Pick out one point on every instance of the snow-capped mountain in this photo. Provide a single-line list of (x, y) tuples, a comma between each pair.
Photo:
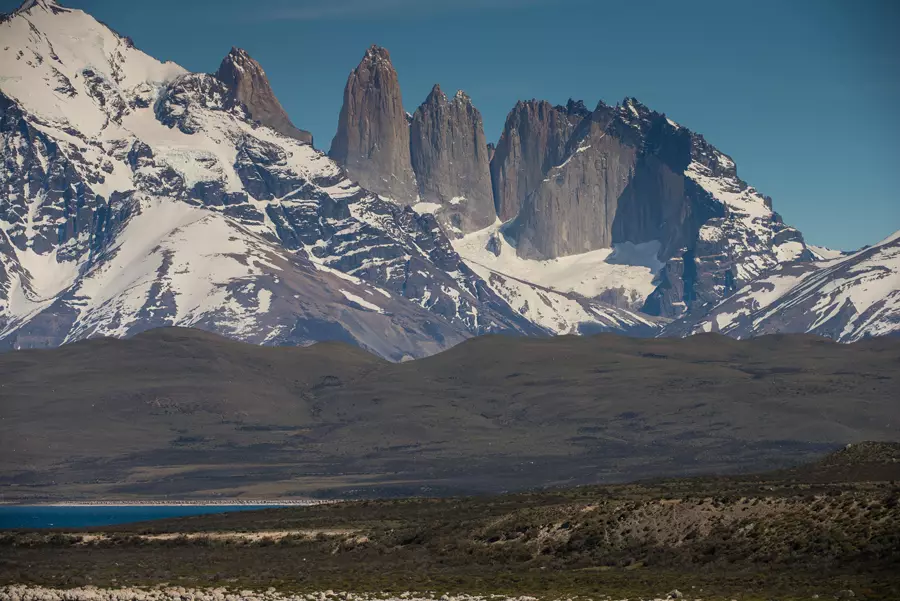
[(629, 175), (141, 195), (617, 215), (138, 195), (847, 298)]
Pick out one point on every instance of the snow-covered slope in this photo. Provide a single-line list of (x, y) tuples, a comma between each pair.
[(597, 291), (846, 298), (821, 253), (137, 195), (622, 275), (173, 263), (128, 179)]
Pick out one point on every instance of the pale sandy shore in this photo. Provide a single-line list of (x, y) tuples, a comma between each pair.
[(87, 537)]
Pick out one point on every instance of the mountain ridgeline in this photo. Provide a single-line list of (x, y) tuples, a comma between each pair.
[(140, 195), (566, 181)]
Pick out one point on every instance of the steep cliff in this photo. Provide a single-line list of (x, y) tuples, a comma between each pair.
[(372, 140), (450, 158), (534, 139), (631, 175), (249, 86)]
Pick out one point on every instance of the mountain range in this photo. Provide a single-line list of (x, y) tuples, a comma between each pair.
[(138, 195)]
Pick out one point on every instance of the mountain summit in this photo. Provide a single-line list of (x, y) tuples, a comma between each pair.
[(372, 140), (139, 195), (450, 159), (248, 85), (47, 5)]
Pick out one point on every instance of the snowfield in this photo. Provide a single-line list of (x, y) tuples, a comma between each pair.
[(627, 267), (599, 290)]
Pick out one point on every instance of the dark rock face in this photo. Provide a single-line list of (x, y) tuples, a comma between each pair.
[(249, 86), (46, 203), (179, 101), (263, 170), (372, 141), (573, 207), (629, 174), (847, 299), (533, 140), (450, 158)]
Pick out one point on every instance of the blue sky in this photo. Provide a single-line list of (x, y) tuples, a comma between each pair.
[(804, 94)]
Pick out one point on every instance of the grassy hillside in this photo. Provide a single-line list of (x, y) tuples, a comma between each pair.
[(183, 413)]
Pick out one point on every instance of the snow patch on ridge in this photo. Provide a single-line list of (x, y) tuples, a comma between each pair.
[(358, 300), (64, 48), (629, 267), (847, 299)]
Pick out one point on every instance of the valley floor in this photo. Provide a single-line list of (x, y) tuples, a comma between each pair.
[(827, 530)]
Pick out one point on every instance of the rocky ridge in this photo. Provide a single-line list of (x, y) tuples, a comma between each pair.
[(450, 158), (372, 139), (249, 86), (141, 195), (846, 299)]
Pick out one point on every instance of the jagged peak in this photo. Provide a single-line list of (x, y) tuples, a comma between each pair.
[(238, 54), (51, 6), (462, 97), (237, 58), (248, 85), (534, 103), (632, 107), (377, 54), (631, 102), (574, 107), (436, 96)]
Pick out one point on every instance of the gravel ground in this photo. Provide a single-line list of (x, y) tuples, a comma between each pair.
[(89, 593)]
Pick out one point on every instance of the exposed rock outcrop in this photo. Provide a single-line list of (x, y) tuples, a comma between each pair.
[(572, 208), (99, 229), (631, 175), (249, 86), (533, 140), (848, 299), (450, 158), (372, 141)]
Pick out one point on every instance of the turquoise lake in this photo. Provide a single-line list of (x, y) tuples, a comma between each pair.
[(37, 516)]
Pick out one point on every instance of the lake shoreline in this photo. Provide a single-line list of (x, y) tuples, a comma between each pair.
[(77, 515), (183, 503)]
